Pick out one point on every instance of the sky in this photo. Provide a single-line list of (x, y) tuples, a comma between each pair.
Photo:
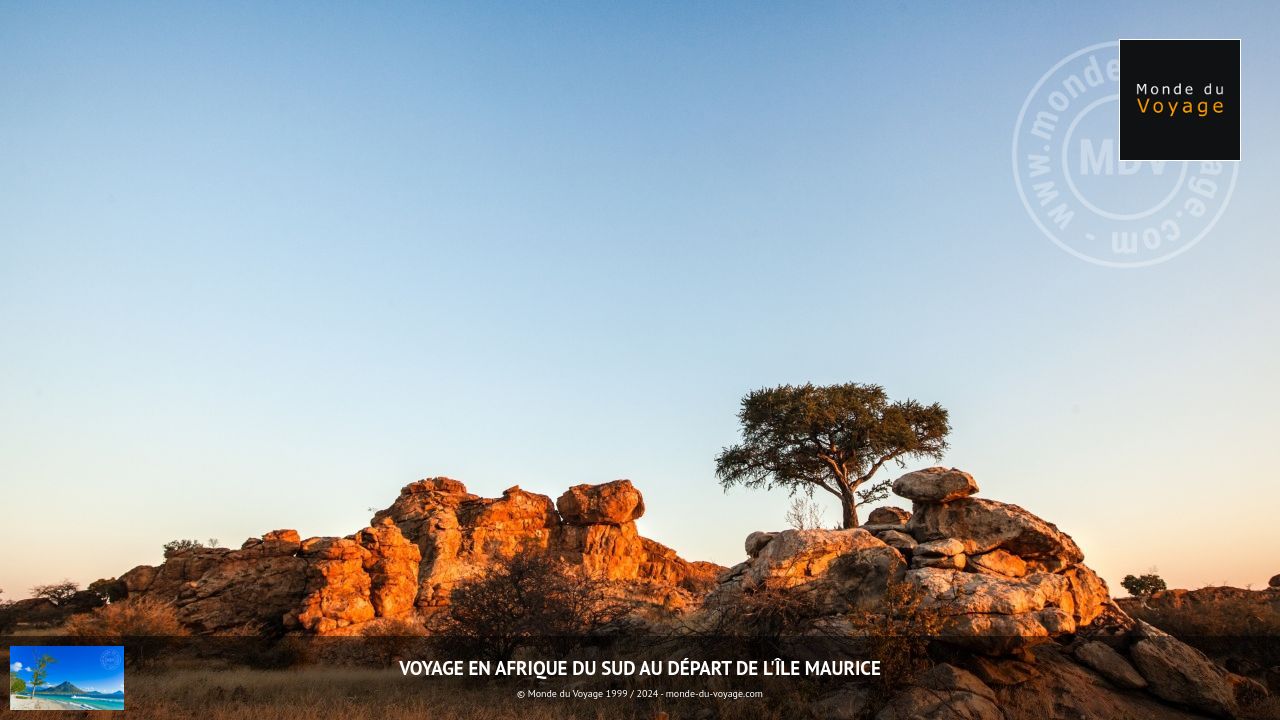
[(263, 264), (92, 668)]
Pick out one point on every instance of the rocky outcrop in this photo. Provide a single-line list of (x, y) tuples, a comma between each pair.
[(1274, 581), (434, 536), (592, 526), (836, 570), (1011, 598)]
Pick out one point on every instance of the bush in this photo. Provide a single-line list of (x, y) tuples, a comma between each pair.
[(177, 546), (16, 685), (145, 625), (899, 634), (139, 617), (531, 601)]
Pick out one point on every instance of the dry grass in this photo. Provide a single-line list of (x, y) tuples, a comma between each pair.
[(141, 617), (1228, 617)]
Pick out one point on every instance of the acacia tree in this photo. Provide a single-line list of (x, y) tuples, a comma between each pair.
[(831, 437), (56, 593)]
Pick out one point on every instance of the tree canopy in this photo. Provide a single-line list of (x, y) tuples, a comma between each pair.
[(832, 437), (56, 593), (1142, 586)]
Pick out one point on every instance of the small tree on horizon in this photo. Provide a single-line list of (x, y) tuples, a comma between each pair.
[(1143, 586), (833, 437), (56, 593)]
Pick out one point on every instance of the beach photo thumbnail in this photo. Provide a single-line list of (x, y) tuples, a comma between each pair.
[(72, 677)]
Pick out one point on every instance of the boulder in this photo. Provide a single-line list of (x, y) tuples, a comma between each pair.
[(935, 485), (756, 542), (840, 569), (888, 516), (1108, 663), (1089, 594), (946, 554), (944, 692), (139, 579), (968, 593), (998, 562), (1180, 674), (941, 548), (986, 525), (1274, 581), (899, 541), (995, 614), (392, 566), (276, 543), (944, 562), (612, 503)]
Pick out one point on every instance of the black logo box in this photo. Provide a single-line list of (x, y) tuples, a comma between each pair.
[(1187, 68)]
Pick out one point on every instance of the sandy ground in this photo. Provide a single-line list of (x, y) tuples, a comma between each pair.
[(26, 703)]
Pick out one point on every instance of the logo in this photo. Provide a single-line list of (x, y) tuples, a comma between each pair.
[(1082, 196), (111, 658), (1180, 99)]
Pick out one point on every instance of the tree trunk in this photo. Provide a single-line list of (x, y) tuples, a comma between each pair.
[(849, 508)]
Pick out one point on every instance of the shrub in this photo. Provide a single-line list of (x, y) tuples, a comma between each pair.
[(145, 625), (899, 634), (177, 546), (804, 513), (138, 617), (531, 601)]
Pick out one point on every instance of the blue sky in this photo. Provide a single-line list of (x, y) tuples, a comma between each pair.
[(261, 265), (82, 666)]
